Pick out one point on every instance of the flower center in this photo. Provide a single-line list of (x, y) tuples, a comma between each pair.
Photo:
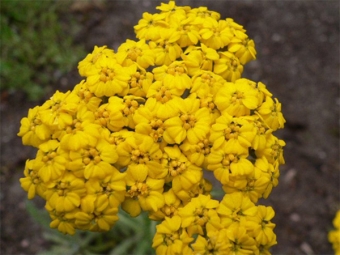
[(232, 131), (176, 167), (138, 189), (91, 155), (131, 106), (139, 157), (157, 129), (107, 74), (189, 121), (163, 95)]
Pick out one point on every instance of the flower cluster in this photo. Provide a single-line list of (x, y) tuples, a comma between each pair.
[(334, 235), (143, 125)]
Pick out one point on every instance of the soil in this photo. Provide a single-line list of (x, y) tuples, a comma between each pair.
[(298, 59)]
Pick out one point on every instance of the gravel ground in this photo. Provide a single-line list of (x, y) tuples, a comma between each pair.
[(298, 59)]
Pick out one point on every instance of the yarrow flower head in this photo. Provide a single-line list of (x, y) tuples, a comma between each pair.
[(146, 125)]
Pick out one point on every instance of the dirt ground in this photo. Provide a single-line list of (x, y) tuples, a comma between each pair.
[(298, 59)]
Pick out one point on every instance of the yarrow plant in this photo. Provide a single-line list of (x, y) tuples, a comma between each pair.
[(145, 123), (334, 235)]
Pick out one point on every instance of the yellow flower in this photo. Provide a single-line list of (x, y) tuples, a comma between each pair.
[(273, 150), (131, 104), (271, 113), (173, 76), (197, 153), (108, 78), (64, 194), (192, 123), (148, 27), (206, 83), (181, 172), (234, 210), (262, 132), (228, 66), (95, 218), (198, 59), (32, 130), (237, 99), (253, 185), (143, 193), (110, 189), (93, 161), (171, 10), (52, 160), (198, 213), (140, 82), (227, 162), (170, 238), (215, 34), (98, 54), (32, 182), (203, 186), (140, 152), (163, 99), (236, 133), (147, 123), (260, 226), (215, 242), (81, 132), (201, 13), (62, 221), (58, 111), (132, 52), (244, 49), (166, 48), (189, 33), (270, 172), (86, 96), (171, 206), (240, 242)]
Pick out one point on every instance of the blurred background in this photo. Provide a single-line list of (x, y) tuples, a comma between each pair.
[(297, 46)]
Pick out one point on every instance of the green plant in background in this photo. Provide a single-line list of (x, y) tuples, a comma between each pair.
[(35, 51)]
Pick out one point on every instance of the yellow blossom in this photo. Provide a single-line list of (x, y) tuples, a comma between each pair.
[(174, 75), (32, 130), (64, 194), (198, 213), (170, 238), (192, 123), (148, 27), (109, 78), (228, 66), (237, 133), (199, 58), (143, 193), (52, 160), (260, 226), (271, 113), (32, 182), (135, 52), (234, 209), (98, 54), (181, 172), (215, 34), (237, 99)]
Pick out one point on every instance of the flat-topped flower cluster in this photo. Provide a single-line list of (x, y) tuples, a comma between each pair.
[(143, 125)]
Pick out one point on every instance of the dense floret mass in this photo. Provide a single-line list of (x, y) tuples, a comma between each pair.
[(145, 123)]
